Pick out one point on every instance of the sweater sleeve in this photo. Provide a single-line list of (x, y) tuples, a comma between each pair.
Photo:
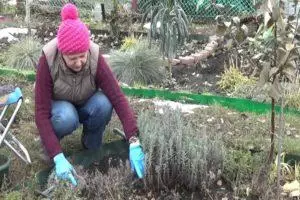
[(43, 98), (106, 81)]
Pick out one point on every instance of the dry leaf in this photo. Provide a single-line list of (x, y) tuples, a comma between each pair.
[(267, 18), (257, 56), (264, 74), (273, 71), (292, 186), (289, 46), (275, 13), (289, 70), (295, 193), (276, 90)]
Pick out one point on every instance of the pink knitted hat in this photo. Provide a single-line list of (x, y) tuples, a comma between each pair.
[(73, 35)]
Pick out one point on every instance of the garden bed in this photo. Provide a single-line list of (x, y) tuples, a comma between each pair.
[(242, 133)]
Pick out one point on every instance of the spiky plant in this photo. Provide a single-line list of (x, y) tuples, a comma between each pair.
[(138, 65), (24, 55), (178, 153), (173, 29), (128, 43), (232, 78)]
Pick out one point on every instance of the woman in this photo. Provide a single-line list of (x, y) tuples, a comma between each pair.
[(75, 85)]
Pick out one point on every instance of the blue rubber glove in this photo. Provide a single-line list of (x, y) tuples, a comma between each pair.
[(137, 159), (64, 170)]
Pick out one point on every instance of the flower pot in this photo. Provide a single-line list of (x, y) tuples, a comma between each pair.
[(4, 167)]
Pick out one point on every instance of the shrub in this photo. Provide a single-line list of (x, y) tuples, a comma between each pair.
[(63, 189), (233, 77), (177, 153), (251, 91), (240, 165), (289, 171), (293, 94), (293, 100), (24, 55), (139, 65), (115, 184)]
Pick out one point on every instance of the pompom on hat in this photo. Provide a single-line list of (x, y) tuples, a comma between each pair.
[(73, 35)]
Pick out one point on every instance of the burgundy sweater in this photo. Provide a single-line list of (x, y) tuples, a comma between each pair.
[(105, 80)]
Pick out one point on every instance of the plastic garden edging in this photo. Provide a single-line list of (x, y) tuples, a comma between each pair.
[(242, 105)]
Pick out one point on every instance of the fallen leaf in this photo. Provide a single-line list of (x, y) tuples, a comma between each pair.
[(289, 46), (219, 183), (295, 193), (292, 186)]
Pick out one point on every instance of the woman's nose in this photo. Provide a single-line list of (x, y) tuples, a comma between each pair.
[(78, 62)]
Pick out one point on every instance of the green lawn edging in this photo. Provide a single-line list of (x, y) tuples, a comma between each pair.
[(242, 105), (28, 75)]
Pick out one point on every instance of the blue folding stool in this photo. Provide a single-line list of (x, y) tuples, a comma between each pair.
[(11, 97)]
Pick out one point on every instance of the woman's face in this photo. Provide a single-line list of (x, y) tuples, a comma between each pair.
[(77, 61)]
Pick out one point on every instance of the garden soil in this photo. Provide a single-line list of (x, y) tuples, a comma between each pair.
[(201, 78)]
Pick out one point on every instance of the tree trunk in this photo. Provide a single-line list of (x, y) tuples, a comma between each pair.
[(271, 153), (260, 180)]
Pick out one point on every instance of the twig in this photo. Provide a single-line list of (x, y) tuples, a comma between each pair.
[(119, 132), (208, 193), (46, 193), (110, 192)]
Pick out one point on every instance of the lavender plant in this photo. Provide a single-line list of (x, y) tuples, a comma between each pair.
[(177, 153), (94, 185)]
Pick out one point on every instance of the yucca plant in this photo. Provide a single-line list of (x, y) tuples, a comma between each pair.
[(24, 55), (178, 153), (173, 29), (138, 65)]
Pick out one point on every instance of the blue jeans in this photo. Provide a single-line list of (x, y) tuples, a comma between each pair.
[(94, 115)]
